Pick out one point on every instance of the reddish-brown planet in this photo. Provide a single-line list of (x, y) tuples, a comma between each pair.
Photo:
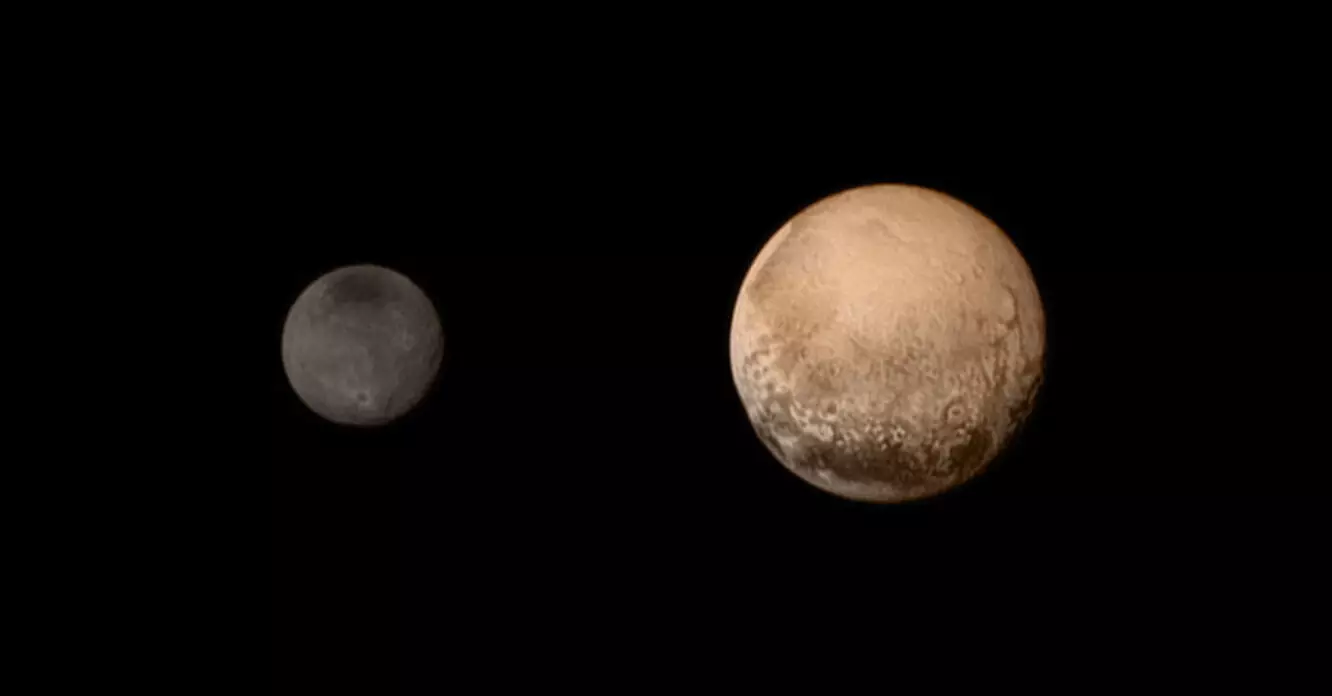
[(887, 342)]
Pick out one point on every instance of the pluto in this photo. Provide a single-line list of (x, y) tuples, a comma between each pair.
[(362, 345), (887, 342)]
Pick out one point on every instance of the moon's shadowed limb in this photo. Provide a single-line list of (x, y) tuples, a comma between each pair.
[(887, 342), (362, 345)]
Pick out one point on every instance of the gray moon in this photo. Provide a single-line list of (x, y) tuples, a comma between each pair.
[(887, 342), (362, 345)]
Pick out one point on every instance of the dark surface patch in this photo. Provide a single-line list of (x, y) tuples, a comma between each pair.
[(929, 470), (971, 456), (862, 465), (357, 288)]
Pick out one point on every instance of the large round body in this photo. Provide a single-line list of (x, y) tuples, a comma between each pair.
[(887, 342), (362, 345)]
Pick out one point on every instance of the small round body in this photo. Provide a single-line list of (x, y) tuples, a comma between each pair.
[(362, 345), (887, 342)]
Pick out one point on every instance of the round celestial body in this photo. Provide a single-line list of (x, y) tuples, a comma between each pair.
[(362, 345), (887, 342)]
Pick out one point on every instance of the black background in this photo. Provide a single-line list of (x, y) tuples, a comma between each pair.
[(582, 493)]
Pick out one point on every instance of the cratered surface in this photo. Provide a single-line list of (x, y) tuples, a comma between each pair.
[(362, 345), (887, 342)]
